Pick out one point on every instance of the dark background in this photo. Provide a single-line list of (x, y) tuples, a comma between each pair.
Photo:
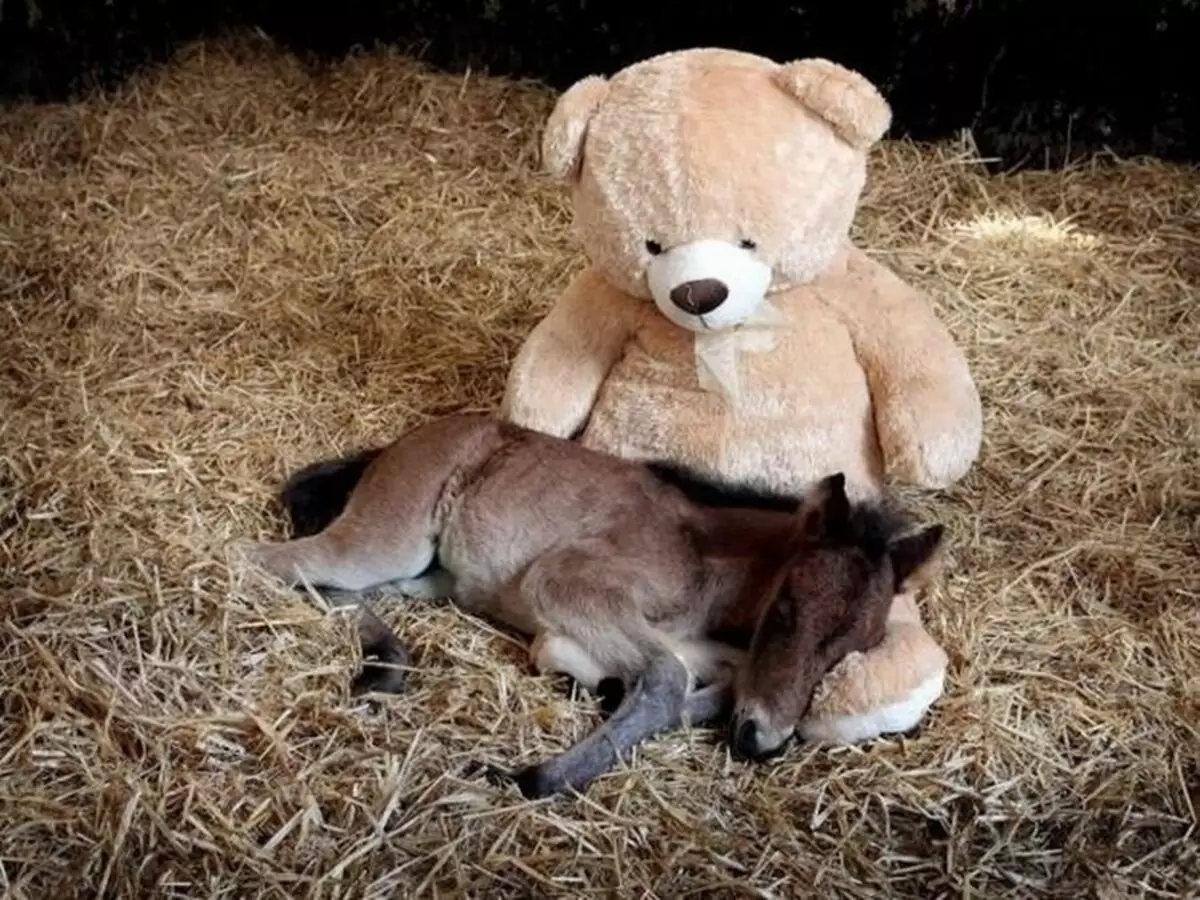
[(1037, 81)]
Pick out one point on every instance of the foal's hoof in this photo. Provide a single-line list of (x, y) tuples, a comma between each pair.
[(530, 781), (494, 775), (378, 678), (384, 657), (534, 784)]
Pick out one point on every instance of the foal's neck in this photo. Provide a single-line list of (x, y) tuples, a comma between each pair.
[(742, 549)]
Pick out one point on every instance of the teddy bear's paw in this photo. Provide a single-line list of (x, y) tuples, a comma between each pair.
[(548, 418), (838, 678), (935, 462), (848, 724), (932, 449), (945, 458)]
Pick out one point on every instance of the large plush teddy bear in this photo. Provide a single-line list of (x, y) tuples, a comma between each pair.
[(725, 321)]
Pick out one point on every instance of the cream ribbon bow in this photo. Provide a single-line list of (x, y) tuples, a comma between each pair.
[(719, 352)]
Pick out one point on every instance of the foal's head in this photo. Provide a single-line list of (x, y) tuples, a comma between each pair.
[(828, 594)]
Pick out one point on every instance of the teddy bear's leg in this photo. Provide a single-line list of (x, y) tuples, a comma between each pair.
[(887, 690)]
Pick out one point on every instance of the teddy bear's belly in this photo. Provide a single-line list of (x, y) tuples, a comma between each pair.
[(804, 411)]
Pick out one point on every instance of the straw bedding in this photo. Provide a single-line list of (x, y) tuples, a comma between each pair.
[(235, 265)]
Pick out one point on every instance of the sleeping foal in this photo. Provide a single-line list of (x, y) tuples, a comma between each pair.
[(616, 569)]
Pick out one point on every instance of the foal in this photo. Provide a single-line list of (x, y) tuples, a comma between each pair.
[(618, 570)]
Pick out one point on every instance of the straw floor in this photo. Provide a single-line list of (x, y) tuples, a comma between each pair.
[(234, 266)]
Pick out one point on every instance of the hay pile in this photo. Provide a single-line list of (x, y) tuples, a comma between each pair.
[(235, 266)]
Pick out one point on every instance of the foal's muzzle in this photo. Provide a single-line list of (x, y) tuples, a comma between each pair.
[(751, 742)]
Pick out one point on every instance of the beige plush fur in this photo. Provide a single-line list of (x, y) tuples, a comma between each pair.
[(745, 175)]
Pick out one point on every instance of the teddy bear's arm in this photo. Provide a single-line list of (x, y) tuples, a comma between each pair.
[(559, 369), (928, 413)]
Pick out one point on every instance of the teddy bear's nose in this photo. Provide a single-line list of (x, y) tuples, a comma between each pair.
[(699, 297)]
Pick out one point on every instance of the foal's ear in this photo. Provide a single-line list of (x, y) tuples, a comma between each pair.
[(824, 507), (915, 556)]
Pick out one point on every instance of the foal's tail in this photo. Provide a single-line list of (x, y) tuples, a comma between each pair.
[(316, 495)]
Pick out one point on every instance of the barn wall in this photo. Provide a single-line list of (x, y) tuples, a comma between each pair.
[(1035, 80)]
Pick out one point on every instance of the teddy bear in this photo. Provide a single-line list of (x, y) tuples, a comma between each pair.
[(725, 320)]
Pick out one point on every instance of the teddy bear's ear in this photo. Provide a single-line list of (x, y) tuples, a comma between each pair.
[(842, 97), (562, 141)]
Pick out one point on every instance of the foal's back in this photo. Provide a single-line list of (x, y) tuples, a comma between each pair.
[(486, 499), (518, 519), (536, 496)]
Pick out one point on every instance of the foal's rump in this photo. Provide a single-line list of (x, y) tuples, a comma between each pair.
[(315, 495), (380, 509)]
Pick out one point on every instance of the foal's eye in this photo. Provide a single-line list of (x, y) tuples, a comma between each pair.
[(747, 244), (654, 248)]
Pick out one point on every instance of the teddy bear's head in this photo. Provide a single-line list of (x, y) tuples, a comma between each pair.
[(707, 179)]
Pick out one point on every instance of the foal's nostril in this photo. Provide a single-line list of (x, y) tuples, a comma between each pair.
[(699, 297)]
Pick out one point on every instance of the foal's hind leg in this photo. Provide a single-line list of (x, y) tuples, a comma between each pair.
[(345, 558), (429, 586), (387, 527), (384, 657), (589, 605), (557, 654)]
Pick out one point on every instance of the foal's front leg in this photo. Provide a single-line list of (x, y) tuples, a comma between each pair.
[(708, 704), (655, 704)]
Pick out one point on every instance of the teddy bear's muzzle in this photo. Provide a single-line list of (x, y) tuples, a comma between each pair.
[(699, 297), (708, 284)]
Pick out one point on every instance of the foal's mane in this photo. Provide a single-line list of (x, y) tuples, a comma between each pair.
[(870, 527), (715, 494)]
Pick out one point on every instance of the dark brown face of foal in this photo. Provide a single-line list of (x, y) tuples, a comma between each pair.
[(830, 596)]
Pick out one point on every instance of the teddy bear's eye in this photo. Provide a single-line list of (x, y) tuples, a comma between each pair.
[(654, 247), (747, 244)]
